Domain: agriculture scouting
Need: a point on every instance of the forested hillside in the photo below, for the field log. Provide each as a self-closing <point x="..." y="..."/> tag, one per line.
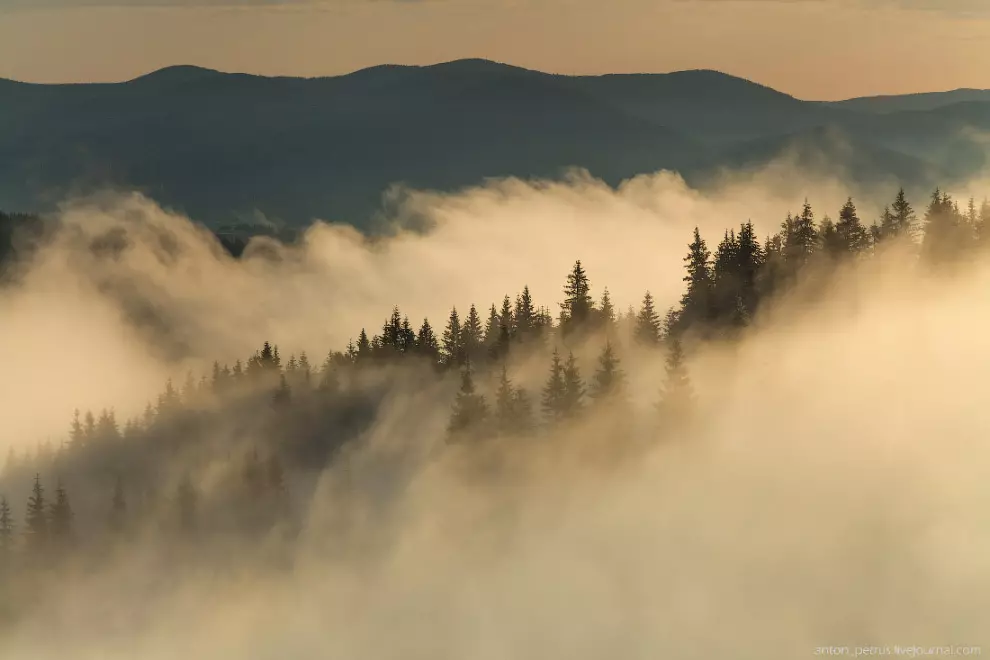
<point x="272" y="423"/>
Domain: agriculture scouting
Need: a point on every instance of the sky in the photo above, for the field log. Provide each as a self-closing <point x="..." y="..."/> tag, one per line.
<point x="813" y="49"/>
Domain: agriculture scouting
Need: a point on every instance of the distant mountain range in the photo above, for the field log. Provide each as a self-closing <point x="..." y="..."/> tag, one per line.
<point x="234" y="148"/>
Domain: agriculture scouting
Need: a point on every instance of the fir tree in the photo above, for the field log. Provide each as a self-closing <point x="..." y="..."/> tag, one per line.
<point x="472" y="336"/>
<point x="525" y="315"/>
<point x="76" y="433"/>
<point x="555" y="391"/>
<point x="363" y="346"/>
<point x="647" y="330"/>
<point x="800" y="239"/>
<point x="407" y="336"/>
<point x="903" y="220"/>
<point x="426" y="341"/>
<point x="697" y="301"/>
<point x="506" y="319"/>
<point x="452" y="343"/>
<point x="608" y="381"/>
<point x="505" y="405"/>
<point x="36" y="521"/>
<point x="60" y="518"/>
<point x="725" y="275"/>
<point x="750" y="259"/>
<point x="6" y="527"/>
<point x="577" y="307"/>
<point x="851" y="233"/>
<point x="677" y="396"/>
<point x="573" y="387"/>
<point x="607" y="311"/>
<point x="946" y="234"/>
<point x="831" y="241"/>
<point x="492" y="329"/>
<point x="392" y="331"/>
<point x="304" y="369"/>
<point x="470" y="409"/>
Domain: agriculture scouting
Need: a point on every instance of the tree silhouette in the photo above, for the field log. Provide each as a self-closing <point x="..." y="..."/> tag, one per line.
<point x="577" y="307"/>
<point x="6" y="527"/>
<point x="36" y="521"/>
<point x="452" y="343"/>
<point x="60" y="518"/>
<point x="554" y="400"/>
<point x="470" y="409"/>
<point x="677" y="395"/>
<point x="647" y="330"/>
<point x="608" y="381"/>
<point x="573" y="387"/>
<point x="697" y="301"/>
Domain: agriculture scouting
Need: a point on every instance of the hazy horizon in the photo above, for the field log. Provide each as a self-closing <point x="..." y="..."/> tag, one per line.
<point x="941" y="44"/>
<point x="179" y="65"/>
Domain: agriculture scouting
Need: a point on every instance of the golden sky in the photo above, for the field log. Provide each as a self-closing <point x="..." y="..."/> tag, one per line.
<point x="821" y="49"/>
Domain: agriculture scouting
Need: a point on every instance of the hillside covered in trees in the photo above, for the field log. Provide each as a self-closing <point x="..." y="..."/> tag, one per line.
<point x="227" y="466"/>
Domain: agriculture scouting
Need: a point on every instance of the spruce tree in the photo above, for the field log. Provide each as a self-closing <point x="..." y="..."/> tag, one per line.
<point x="452" y="343"/>
<point x="677" y="395"/>
<point x="725" y="275"/>
<point x="505" y="405"/>
<point x="800" y="239"/>
<point x="472" y="336"/>
<point x="305" y="369"/>
<point x="577" y="307"/>
<point x="903" y="219"/>
<point x="945" y="234"/>
<point x="750" y="259"/>
<point x="426" y="341"/>
<point x="851" y="234"/>
<point x="6" y="527"/>
<point x="493" y="328"/>
<point x="506" y="318"/>
<point x="573" y="387"/>
<point x="983" y="225"/>
<point x="607" y="311"/>
<point x="831" y="242"/>
<point x="76" y="434"/>
<point x="647" y="330"/>
<point x="363" y="346"/>
<point x="697" y="301"/>
<point x="525" y="315"/>
<point x="608" y="381"/>
<point x="36" y="521"/>
<point x="555" y="390"/>
<point x="470" y="409"/>
<point x="392" y="330"/>
<point x="407" y="336"/>
<point x="60" y="518"/>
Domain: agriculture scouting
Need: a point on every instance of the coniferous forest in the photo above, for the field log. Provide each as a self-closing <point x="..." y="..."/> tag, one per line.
<point x="225" y="469"/>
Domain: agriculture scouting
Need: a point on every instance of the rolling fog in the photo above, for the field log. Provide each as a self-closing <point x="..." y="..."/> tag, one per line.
<point x="831" y="490"/>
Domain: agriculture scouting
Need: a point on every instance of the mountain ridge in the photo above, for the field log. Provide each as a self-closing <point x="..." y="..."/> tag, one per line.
<point x="226" y="146"/>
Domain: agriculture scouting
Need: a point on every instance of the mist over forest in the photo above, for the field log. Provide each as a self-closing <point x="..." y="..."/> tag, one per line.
<point x="532" y="419"/>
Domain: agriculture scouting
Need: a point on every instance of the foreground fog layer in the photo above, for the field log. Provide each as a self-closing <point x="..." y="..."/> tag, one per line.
<point x="831" y="492"/>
